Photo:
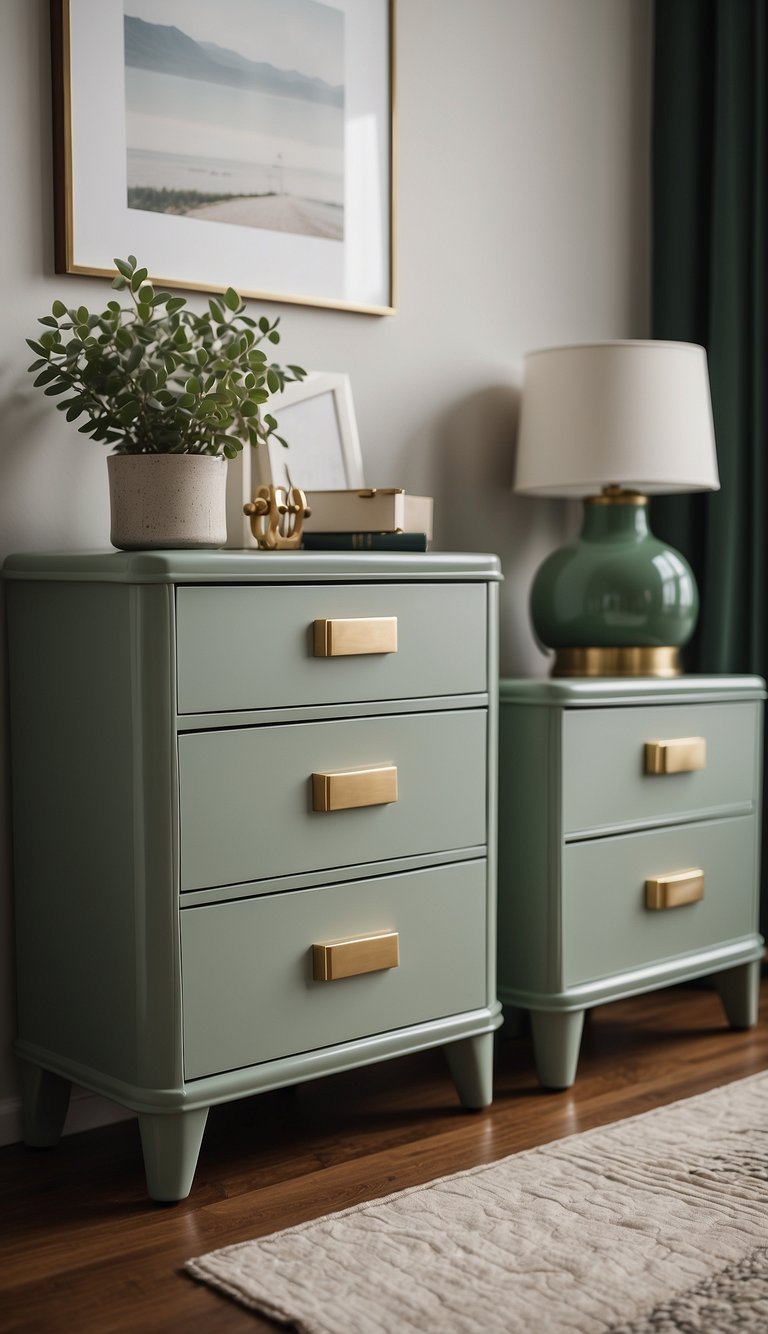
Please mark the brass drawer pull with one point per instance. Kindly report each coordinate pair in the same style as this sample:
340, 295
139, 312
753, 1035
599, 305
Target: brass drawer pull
346, 788
675, 890
681, 755
364, 634
348, 958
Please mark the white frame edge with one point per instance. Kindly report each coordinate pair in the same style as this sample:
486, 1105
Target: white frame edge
253, 467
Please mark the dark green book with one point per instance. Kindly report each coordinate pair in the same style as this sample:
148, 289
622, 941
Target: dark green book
365, 541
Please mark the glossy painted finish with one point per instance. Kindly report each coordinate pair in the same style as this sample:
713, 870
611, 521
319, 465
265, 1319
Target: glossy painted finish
241, 958
604, 780
225, 776
97, 740
615, 585
223, 567
252, 647
582, 826
607, 927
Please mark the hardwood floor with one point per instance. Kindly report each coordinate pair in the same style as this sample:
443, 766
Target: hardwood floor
82, 1249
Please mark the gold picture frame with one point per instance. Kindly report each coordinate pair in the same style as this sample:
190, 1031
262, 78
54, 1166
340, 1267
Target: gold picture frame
206, 246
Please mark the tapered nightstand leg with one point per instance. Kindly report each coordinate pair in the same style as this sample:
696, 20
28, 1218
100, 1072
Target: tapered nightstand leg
470, 1062
556, 1041
739, 990
171, 1144
44, 1103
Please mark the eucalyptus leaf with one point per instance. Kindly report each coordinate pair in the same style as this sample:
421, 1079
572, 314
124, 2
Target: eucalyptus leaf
45, 376
172, 405
129, 412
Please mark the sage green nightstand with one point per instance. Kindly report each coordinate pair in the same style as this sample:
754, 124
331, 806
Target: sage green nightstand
254, 824
629, 847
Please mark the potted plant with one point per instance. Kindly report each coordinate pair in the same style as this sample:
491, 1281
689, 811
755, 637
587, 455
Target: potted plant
175, 393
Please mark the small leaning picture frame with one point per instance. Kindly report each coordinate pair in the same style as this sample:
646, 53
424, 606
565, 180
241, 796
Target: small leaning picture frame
246, 143
317, 417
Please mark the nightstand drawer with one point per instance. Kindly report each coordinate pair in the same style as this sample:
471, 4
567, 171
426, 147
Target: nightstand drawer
250, 993
243, 648
607, 927
605, 781
250, 808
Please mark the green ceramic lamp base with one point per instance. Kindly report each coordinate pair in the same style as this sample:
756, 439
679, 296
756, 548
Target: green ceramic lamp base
617, 601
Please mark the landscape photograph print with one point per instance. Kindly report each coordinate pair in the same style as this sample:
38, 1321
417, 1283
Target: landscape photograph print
235, 113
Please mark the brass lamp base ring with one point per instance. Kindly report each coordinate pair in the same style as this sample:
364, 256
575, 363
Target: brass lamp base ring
640, 661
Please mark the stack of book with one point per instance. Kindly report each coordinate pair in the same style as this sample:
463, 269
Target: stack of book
373, 519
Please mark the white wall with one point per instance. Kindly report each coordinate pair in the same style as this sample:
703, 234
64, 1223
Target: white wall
522, 221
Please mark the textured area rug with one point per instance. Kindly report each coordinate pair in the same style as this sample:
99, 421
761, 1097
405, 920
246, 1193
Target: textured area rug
654, 1224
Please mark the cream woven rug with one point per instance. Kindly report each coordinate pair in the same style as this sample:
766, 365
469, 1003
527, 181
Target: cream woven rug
655, 1224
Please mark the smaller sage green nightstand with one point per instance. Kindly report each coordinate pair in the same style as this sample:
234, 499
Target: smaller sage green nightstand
629, 847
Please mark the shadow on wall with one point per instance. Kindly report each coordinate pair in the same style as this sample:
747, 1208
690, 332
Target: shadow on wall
53, 481
472, 466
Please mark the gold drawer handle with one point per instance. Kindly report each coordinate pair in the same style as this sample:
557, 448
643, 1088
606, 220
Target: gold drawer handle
347, 788
363, 634
681, 755
348, 958
675, 890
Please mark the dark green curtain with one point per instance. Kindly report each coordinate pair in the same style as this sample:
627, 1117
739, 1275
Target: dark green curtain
710, 286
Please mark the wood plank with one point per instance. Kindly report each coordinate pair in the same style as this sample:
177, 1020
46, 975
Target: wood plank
81, 1246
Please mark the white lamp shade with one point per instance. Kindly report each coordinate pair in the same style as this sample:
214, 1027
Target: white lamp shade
634, 414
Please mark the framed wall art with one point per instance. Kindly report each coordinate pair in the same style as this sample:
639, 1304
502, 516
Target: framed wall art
246, 143
317, 417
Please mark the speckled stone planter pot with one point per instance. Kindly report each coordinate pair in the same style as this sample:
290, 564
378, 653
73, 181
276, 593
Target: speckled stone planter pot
167, 500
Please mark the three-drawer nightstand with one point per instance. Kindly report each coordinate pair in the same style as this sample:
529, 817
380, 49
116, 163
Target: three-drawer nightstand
629, 847
254, 826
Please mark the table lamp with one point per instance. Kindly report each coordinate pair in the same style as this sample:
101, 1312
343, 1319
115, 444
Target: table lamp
614, 423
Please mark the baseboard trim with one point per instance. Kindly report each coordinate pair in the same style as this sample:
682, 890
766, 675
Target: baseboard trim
87, 1111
